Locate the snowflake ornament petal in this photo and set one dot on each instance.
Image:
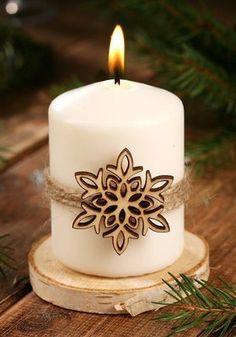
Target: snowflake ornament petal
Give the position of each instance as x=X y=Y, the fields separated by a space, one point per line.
x=116 y=203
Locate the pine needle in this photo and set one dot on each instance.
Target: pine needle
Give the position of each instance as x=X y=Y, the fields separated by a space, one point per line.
x=58 y=89
x=212 y=309
x=189 y=49
x=214 y=153
x=6 y=260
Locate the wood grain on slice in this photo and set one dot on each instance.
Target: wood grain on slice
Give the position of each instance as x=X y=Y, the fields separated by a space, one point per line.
x=59 y=285
x=210 y=213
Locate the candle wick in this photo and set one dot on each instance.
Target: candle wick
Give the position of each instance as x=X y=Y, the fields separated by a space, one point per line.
x=117 y=76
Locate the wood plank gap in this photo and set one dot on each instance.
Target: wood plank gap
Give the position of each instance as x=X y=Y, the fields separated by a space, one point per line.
x=7 y=302
x=25 y=153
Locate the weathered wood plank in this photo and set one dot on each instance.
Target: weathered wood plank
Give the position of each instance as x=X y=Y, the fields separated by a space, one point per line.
x=24 y=215
x=31 y=317
x=23 y=124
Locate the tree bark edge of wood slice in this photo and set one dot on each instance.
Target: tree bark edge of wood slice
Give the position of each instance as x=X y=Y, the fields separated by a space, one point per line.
x=66 y=288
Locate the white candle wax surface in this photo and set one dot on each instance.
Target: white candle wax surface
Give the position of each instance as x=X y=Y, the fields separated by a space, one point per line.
x=88 y=128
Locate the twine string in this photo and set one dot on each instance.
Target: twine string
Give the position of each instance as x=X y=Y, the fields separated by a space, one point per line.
x=175 y=196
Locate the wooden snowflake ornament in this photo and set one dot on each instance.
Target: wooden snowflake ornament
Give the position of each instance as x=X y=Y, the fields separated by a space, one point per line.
x=119 y=205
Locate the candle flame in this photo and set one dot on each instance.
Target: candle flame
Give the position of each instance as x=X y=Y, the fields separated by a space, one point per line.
x=116 y=58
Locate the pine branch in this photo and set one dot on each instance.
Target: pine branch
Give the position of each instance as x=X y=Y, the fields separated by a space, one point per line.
x=205 y=32
x=191 y=49
x=3 y=151
x=174 y=23
x=6 y=259
x=2 y=157
x=215 y=152
x=58 y=89
x=212 y=309
x=194 y=76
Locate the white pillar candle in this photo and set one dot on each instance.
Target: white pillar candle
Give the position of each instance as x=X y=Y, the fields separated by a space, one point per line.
x=88 y=128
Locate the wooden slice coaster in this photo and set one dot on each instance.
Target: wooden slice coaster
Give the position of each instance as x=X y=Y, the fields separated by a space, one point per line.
x=57 y=284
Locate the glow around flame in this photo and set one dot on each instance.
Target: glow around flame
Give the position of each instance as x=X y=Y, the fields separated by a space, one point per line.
x=116 y=58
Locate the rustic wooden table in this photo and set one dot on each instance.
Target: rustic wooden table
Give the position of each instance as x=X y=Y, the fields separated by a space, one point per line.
x=24 y=213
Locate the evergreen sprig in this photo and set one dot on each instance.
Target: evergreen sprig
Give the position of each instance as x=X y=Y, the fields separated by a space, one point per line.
x=190 y=50
x=3 y=150
x=192 y=54
x=60 y=88
x=6 y=259
x=196 y=75
x=212 y=310
x=215 y=152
